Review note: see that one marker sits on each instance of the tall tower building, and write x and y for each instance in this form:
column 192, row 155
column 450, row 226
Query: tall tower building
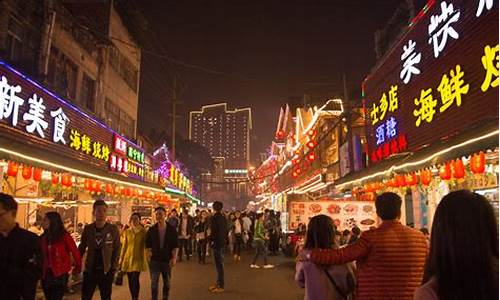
column 225, row 133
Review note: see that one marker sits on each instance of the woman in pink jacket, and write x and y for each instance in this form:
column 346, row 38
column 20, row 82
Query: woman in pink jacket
column 324, row 282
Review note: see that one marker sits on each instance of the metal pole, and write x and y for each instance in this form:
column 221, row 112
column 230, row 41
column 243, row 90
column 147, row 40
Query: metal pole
column 174, row 116
column 349, row 126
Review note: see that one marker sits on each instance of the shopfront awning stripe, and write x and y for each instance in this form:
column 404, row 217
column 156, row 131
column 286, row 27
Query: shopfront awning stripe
column 77, row 171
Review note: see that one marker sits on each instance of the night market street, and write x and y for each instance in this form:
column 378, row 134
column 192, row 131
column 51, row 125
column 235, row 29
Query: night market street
column 191, row 280
column 352, row 144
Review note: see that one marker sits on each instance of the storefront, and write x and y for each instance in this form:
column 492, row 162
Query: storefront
column 432, row 103
column 55, row 156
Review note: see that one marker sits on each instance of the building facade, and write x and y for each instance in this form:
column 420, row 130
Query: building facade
column 226, row 135
column 81, row 50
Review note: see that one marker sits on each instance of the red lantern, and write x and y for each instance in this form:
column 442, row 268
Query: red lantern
column 27, row 171
column 311, row 156
column 37, row 174
column 478, row 163
column 118, row 190
column 87, row 184
column 425, row 177
column 109, row 189
column 411, row 179
column 400, row 180
column 93, row 187
column 311, row 144
column 445, row 171
column 55, row 178
column 458, row 169
column 66, row 180
column 12, row 169
column 98, row 187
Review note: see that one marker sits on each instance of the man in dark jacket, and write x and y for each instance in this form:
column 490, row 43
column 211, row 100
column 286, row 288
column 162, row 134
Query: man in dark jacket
column 20, row 255
column 185, row 232
column 218, row 237
column 161, row 249
column 101, row 241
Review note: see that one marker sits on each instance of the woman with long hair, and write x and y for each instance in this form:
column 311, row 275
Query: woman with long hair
column 132, row 257
column 200, row 230
column 324, row 282
column 463, row 259
column 57, row 247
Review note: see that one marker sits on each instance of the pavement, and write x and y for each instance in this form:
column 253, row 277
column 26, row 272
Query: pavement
column 190, row 281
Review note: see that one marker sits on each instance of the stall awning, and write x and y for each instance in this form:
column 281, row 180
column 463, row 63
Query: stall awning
column 180, row 193
column 28, row 154
column 473, row 140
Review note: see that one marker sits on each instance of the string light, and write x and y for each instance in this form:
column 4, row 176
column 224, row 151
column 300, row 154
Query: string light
column 420, row 162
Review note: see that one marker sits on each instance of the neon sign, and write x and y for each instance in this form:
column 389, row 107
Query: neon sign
column 442, row 78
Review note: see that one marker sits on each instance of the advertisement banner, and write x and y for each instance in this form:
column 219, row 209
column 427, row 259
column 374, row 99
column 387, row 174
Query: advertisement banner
column 345, row 214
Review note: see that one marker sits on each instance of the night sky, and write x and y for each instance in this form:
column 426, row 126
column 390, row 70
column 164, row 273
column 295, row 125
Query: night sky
column 267, row 51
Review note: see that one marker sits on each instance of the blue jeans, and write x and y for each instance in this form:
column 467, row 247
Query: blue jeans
column 219, row 265
column 157, row 268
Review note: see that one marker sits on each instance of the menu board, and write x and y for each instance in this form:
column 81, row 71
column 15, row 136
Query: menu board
column 345, row 214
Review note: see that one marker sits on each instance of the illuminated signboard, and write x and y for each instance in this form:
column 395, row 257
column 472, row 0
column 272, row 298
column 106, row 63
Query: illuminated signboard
column 32, row 115
column 126, row 159
column 439, row 79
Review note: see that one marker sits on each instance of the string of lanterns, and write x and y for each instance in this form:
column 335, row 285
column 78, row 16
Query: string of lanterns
column 92, row 186
column 311, row 144
column 451, row 170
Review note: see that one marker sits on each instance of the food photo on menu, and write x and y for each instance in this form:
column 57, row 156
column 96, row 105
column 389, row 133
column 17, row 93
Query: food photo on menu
column 345, row 214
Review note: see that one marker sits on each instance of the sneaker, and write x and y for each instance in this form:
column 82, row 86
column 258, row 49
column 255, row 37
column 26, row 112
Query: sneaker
column 213, row 288
column 268, row 266
column 217, row 290
column 254, row 266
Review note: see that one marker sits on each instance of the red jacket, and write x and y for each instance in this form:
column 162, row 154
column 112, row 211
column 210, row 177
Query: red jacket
column 59, row 256
column 390, row 261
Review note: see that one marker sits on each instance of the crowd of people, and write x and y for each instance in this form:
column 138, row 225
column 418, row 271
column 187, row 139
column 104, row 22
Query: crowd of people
column 394, row 261
column 112, row 252
column 457, row 260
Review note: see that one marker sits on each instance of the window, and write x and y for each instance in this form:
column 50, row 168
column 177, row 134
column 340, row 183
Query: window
column 87, row 94
column 112, row 114
column 127, row 124
column 119, row 120
column 62, row 74
column 14, row 40
column 124, row 68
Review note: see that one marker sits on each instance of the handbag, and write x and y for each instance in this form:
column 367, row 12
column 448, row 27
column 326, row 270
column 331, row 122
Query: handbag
column 119, row 278
column 335, row 286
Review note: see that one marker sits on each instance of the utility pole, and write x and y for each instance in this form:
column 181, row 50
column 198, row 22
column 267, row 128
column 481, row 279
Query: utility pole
column 174, row 116
column 348, row 116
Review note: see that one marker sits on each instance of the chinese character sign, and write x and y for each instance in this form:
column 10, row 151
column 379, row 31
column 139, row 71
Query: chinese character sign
column 28, row 111
column 440, row 78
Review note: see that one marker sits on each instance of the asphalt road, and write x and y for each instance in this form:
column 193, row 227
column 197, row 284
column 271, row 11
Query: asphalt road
column 190, row 281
